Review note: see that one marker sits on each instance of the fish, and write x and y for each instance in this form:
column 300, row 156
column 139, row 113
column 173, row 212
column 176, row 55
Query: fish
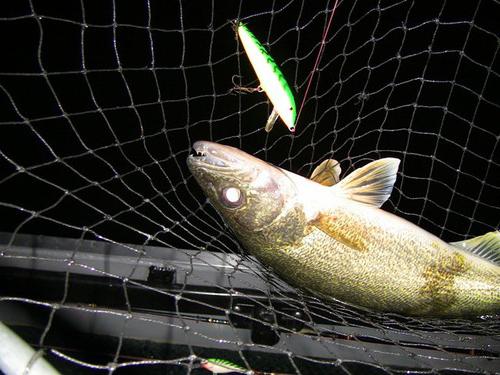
column 271, row 79
column 334, row 240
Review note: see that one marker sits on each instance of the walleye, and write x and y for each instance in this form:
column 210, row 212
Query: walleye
column 332, row 238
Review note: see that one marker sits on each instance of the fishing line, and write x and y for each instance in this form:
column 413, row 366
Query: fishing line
column 318, row 59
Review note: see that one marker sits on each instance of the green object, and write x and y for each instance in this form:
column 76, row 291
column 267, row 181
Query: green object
column 271, row 79
column 221, row 366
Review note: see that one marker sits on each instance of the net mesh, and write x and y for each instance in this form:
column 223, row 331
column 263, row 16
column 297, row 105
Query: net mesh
column 100, row 103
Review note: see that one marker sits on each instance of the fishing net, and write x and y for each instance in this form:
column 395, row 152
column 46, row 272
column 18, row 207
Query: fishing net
column 113, row 260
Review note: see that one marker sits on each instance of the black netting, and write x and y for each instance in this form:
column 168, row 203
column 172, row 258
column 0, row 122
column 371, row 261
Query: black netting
column 112, row 258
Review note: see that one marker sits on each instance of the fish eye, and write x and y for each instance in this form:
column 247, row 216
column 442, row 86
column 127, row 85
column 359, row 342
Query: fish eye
column 231, row 197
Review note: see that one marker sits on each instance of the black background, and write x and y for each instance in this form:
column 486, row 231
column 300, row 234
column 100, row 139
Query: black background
column 100, row 104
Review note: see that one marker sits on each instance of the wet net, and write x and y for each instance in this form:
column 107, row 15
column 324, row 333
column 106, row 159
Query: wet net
column 111, row 257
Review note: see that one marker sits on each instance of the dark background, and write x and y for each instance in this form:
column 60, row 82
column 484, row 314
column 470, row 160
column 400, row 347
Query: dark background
column 100, row 102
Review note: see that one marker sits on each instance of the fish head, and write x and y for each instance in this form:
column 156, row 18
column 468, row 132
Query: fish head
column 247, row 191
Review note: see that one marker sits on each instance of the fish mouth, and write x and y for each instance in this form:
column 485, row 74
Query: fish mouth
column 209, row 155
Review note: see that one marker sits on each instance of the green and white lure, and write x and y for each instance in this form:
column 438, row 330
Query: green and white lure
column 221, row 366
column 271, row 80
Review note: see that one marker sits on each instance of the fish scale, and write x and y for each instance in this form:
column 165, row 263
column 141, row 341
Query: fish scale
column 410, row 276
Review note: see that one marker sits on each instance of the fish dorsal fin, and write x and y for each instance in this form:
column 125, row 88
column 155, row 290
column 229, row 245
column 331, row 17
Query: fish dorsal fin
column 327, row 173
column 486, row 246
column 371, row 184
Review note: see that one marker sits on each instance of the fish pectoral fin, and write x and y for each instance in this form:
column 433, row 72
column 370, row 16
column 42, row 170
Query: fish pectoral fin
column 271, row 120
column 330, row 225
column 327, row 173
column 486, row 246
column 371, row 184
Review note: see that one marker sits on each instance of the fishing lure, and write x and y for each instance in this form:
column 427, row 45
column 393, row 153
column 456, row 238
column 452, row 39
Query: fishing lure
column 271, row 80
column 221, row 366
